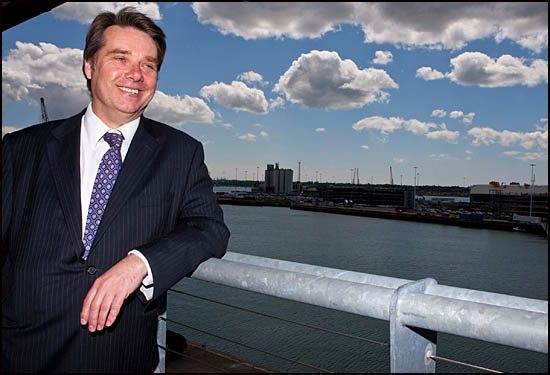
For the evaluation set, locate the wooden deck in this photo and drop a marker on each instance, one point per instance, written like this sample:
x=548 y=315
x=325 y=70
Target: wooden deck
x=200 y=359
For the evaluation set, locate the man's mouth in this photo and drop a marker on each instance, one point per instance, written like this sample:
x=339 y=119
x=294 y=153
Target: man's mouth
x=131 y=91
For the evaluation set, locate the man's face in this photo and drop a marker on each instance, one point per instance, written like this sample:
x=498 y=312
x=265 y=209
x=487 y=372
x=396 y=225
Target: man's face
x=124 y=76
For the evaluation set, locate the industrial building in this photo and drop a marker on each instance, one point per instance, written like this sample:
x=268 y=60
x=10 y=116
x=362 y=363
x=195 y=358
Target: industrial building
x=370 y=196
x=278 y=181
x=514 y=198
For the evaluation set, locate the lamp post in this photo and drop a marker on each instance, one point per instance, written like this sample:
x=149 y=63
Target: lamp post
x=532 y=187
x=414 y=193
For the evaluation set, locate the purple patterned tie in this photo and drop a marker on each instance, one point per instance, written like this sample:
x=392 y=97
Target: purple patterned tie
x=103 y=185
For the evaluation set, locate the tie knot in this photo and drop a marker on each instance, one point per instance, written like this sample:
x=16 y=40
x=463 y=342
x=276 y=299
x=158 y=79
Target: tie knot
x=114 y=139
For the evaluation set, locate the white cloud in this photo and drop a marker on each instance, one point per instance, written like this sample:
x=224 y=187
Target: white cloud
x=399 y=160
x=320 y=130
x=264 y=133
x=382 y=57
x=227 y=125
x=85 y=12
x=32 y=71
x=321 y=79
x=389 y=125
x=413 y=24
x=365 y=147
x=527 y=156
x=478 y=69
x=272 y=19
x=251 y=77
x=418 y=127
x=276 y=103
x=248 y=137
x=382 y=124
x=466 y=118
x=236 y=96
x=174 y=110
x=468 y=152
x=484 y=136
x=444 y=135
x=429 y=74
x=438 y=156
x=439 y=113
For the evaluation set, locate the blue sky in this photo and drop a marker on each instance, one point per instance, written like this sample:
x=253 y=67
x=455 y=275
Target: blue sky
x=459 y=91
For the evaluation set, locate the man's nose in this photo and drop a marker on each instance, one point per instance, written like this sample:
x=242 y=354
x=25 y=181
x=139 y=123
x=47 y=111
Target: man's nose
x=134 y=73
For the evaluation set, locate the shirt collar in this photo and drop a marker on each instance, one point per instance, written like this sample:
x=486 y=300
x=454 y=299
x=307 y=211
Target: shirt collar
x=95 y=128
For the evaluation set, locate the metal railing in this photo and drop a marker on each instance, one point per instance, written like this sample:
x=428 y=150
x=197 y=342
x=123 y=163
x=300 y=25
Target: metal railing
x=416 y=310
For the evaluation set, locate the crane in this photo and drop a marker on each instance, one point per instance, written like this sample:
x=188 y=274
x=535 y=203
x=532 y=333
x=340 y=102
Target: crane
x=43 y=108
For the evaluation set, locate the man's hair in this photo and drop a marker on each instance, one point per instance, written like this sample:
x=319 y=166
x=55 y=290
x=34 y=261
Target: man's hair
x=126 y=17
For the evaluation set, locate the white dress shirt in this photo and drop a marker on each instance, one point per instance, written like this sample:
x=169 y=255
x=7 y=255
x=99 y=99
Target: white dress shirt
x=92 y=149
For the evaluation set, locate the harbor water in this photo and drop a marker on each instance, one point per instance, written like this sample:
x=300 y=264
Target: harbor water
x=495 y=261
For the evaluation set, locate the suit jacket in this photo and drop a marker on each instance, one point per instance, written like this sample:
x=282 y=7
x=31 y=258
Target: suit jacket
x=162 y=204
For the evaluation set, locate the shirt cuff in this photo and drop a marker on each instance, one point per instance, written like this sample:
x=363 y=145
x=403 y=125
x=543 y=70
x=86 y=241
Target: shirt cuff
x=147 y=287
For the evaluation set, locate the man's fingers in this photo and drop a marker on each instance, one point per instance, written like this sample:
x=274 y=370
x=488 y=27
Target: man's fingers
x=104 y=311
x=115 y=309
x=85 y=313
x=95 y=306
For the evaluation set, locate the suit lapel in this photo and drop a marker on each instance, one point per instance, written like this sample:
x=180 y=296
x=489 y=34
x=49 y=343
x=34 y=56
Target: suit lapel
x=64 y=158
x=138 y=161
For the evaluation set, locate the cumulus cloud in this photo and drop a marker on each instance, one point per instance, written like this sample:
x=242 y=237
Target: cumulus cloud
x=365 y=147
x=389 y=125
x=86 y=12
x=276 y=103
x=321 y=79
x=527 y=156
x=33 y=71
x=414 y=24
x=459 y=115
x=264 y=133
x=252 y=77
x=484 y=136
x=320 y=130
x=439 y=113
x=248 y=137
x=382 y=57
x=438 y=156
x=478 y=69
x=429 y=74
x=271 y=19
x=236 y=96
x=176 y=111
x=382 y=124
x=418 y=127
x=444 y=135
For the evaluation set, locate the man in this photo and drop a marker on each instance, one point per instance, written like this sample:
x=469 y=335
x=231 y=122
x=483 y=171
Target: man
x=101 y=214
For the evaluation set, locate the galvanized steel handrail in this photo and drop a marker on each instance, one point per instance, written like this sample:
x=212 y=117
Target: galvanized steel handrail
x=509 y=320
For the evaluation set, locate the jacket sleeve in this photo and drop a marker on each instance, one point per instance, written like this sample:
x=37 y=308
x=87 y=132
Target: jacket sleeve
x=199 y=234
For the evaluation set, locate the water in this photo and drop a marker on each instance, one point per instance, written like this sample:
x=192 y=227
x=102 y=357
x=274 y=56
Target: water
x=495 y=261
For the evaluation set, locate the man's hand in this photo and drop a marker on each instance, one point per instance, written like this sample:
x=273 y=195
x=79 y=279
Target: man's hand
x=104 y=300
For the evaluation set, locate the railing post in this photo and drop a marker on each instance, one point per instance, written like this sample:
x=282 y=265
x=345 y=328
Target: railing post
x=410 y=347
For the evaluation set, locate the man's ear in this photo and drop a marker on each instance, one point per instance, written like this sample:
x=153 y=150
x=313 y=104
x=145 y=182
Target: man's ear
x=88 y=68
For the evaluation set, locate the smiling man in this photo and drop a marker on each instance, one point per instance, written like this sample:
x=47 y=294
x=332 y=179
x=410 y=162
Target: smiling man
x=101 y=214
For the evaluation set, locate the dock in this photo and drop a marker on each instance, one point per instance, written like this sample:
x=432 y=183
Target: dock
x=201 y=359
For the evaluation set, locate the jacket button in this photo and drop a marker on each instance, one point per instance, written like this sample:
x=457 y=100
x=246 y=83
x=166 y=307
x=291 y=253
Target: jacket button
x=92 y=270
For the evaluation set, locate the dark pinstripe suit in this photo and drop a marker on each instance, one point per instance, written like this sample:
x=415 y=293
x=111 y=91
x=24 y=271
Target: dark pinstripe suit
x=162 y=204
